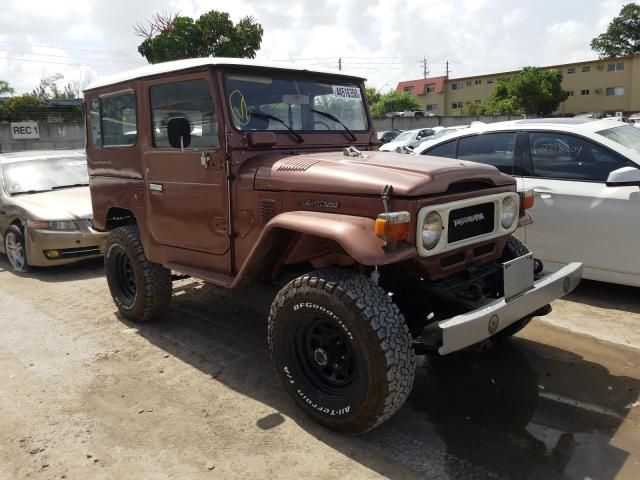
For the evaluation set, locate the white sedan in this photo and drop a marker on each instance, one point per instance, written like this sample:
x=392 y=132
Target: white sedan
x=586 y=179
x=408 y=139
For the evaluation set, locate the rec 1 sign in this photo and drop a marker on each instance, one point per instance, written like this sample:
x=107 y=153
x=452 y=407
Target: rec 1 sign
x=25 y=131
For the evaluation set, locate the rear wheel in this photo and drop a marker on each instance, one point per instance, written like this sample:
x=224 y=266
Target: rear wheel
x=140 y=289
x=342 y=349
x=14 y=246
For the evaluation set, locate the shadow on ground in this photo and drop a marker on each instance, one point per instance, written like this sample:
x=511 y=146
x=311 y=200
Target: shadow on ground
x=607 y=295
x=84 y=270
x=522 y=410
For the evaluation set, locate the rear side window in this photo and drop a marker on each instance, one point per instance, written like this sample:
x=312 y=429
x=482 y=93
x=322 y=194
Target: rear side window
x=118 y=117
x=447 y=150
x=188 y=99
x=495 y=149
x=556 y=155
x=94 y=118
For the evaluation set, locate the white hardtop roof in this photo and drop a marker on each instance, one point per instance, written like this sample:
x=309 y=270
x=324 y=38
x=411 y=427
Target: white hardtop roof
x=177 y=65
x=23 y=156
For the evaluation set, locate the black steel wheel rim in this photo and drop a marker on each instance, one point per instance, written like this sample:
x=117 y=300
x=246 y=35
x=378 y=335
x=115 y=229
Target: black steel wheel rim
x=124 y=276
x=325 y=354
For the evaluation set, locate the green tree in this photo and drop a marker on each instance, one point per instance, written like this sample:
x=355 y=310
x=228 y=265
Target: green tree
x=47 y=88
x=394 y=102
x=622 y=36
x=5 y=88
x=23 y=107
x=172 y=37
x=373 y=96
x=532 y=91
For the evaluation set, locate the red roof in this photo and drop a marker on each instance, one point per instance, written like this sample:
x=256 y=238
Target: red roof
x=418 y=85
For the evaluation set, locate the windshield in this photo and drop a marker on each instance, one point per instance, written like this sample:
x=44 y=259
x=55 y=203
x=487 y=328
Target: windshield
x=30 y=176
x=292 y=102
x=625 y=135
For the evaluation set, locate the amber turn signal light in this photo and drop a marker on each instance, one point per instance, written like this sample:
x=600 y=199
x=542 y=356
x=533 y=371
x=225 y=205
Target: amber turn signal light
x=527 y=199
x=393 y=226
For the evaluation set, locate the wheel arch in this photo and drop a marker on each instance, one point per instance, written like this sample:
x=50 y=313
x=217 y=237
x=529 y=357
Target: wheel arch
x=291 y=237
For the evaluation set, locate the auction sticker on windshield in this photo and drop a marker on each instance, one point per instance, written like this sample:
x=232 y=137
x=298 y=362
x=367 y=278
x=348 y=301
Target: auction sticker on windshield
x=346 y=92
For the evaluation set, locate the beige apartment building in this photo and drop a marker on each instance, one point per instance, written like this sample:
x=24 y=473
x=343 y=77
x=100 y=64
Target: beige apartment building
x=608 y=85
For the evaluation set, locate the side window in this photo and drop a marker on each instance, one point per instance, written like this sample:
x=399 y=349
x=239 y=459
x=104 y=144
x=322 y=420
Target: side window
x=189 y=99
x=119 y=122
x=494 y=149
x=556 y=155
x=445 y=150
x=94 y=119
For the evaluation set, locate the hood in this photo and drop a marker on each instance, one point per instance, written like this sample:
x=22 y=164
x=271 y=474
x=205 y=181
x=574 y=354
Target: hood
x=391 y=146
x=64 y=204
x=410 y=175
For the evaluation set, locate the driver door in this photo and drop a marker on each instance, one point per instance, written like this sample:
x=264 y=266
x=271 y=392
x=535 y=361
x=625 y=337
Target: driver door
x=186 y=189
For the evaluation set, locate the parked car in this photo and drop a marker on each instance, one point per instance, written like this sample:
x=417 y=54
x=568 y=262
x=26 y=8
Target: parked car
x=439 y=134
x=387 y=136
x=585 y=174
x=45 y=209
x=410 y=138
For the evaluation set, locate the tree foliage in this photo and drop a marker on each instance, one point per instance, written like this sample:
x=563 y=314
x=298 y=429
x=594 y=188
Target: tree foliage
x=23 y=107
x=5 y=87
x=172 y=37
x=532 y=91
x=622 y=36
x=393 y=102
x=373 y=96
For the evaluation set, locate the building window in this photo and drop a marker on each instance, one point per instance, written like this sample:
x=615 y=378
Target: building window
x=478 y=82
x=468 y=82
x=457 y=105
x=586 y=69
x=584 y=92
x=570 y=93
x=457 y=86
x=478 y=101
x=571 y=70
x=490 y=81
x=409 y=90
x=615 y=91
x=430 y=88
x=432 y=107
x=615 y=67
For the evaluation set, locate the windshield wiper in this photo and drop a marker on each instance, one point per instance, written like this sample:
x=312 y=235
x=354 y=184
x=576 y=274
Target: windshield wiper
x=57 y=187
x=272 y=117
x=331 y=116
x=29 y=191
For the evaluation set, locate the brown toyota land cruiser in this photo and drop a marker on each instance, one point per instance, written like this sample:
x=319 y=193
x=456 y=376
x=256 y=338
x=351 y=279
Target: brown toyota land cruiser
x=232 y=172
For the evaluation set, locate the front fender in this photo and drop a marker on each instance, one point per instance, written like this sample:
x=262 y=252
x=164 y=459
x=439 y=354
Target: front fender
x=356 y=236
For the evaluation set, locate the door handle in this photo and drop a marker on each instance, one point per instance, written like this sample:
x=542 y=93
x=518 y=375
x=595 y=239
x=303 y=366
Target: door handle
x=156 y=187
x=204 y=160
x=544 y=192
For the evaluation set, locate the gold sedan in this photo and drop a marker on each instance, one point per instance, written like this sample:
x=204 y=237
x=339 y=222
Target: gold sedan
x=45 y=209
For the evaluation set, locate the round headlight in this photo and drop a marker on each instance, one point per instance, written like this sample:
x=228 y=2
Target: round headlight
x=509 y=212
x=431 y=230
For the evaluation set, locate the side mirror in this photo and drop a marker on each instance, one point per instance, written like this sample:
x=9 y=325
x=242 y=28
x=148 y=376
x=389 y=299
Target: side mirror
x=179 y=132
x=624 y=177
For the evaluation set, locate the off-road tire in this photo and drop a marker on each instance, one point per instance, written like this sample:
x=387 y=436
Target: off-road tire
x=140 y=289
x=16 y=233
x=512 y=250
x=376 y=339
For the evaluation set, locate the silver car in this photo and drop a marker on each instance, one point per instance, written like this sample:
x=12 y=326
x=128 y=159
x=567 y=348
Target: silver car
x=45 y=209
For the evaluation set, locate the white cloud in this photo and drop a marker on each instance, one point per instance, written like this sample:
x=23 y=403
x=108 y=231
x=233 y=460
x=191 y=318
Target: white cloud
x=384 y=40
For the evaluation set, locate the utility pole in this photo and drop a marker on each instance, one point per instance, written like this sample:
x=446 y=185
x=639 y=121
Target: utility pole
x=340 y=63
x=448 y=71
x=425 y=70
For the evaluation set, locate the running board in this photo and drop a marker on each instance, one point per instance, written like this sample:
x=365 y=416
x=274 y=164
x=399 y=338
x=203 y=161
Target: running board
x=218 y=279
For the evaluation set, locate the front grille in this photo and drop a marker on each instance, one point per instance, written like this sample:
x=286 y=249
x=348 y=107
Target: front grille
x=470 y=222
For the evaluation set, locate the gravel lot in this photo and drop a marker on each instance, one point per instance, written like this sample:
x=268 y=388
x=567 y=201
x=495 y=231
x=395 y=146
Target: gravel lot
x=86 y=394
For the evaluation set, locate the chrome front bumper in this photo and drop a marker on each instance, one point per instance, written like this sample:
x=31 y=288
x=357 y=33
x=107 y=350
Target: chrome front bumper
x=470 y=328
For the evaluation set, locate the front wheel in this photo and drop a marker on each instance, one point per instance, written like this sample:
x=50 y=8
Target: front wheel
x=14 y=246
x=140 y=289
x=342 y=349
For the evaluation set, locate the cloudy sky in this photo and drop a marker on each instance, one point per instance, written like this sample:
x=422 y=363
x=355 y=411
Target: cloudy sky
x=383 y=40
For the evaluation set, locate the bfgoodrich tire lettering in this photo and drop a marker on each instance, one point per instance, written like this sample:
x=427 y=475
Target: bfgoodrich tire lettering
x=140 y=289
x=342 y=349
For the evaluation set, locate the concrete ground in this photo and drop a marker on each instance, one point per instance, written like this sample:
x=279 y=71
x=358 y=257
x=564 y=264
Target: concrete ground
x=86 y=394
